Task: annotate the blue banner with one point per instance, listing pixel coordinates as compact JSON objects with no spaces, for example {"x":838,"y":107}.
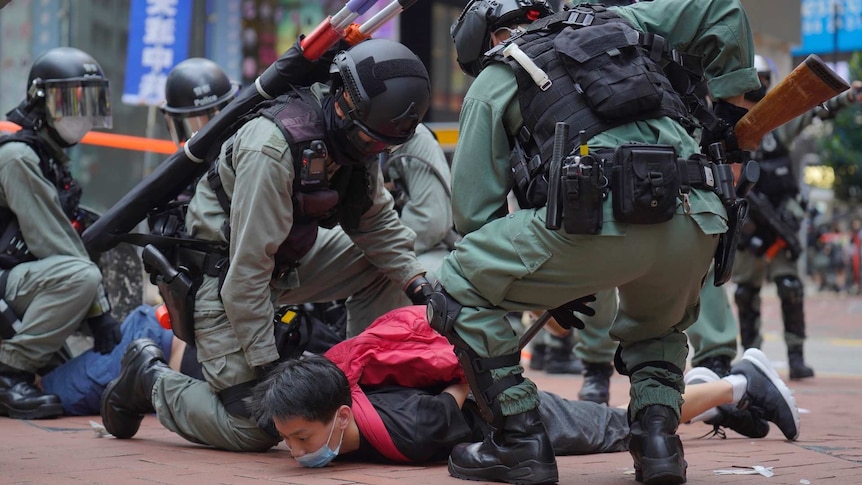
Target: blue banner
{"x":159,"y":32}
{"x":819,"y":21}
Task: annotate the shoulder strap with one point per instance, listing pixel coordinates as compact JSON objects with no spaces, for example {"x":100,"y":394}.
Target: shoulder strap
{"x":371,"y":424}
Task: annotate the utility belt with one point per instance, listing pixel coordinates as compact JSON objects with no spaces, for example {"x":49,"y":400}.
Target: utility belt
{"x":646,"y":181}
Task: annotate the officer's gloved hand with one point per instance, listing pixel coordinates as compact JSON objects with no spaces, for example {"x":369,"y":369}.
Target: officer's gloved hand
{"x":722,"y":131}
{"x":106,"y":332}
{"x":419,"y":290}
{"x":564,"y":315}
{"x":294,"y":68}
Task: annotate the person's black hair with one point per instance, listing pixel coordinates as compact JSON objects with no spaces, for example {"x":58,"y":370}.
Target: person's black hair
{"x":311,"y":388}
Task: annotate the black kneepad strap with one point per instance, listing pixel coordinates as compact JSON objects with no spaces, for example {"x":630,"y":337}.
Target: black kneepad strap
{"x":442,"y":310}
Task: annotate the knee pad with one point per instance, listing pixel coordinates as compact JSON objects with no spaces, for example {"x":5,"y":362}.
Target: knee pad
{"x":442,"y":311}
{"x":745,"y":295}
{"x":790,"y":289}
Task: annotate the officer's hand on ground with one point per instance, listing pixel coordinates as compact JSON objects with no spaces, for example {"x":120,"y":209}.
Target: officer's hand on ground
{"x":564,"y":315}
{"x":106,"y":333}
{"x":418,"y":290}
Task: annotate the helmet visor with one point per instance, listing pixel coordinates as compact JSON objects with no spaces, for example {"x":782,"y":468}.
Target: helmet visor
{"x":86,"y":98}
{"x":182,"y":126}
{"x":364,"y":141}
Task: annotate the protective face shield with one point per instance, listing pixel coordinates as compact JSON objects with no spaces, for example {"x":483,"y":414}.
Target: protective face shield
{"x":73,"y":92}
{"x":195,"y":91}
{"x":72,"y":128}
{"x":323,"y":455}
{"x":471,"y":33}
{"x":382,"y":91}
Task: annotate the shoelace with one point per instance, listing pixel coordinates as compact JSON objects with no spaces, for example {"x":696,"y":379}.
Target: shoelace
{"x":716,"y":431}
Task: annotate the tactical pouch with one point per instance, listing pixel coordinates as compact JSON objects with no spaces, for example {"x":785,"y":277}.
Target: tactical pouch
{"x":584,"y":184}
{"x":610,"y":71}
{"x":778,"y":179}
{"x":645,"y":183}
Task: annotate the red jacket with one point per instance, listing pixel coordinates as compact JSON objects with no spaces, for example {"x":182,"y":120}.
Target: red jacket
{"x":399,"y":348}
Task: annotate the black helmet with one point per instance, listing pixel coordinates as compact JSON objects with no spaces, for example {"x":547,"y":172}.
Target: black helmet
{"x":195,"y":91}
{"x":68,"y":85}
{"x":472,"y":31}
{"x":387,"y":94}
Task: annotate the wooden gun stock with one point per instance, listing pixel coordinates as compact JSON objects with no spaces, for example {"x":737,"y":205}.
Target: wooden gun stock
{"x":810,"y":84}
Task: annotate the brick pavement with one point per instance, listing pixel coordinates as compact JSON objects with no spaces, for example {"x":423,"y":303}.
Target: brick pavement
{"x":67,"y":451}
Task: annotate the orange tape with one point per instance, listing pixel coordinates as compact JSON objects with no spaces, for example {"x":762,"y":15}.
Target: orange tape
{"x":113,"y":140}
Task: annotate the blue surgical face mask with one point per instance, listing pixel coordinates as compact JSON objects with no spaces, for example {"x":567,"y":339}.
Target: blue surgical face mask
{"x":323,"y":455}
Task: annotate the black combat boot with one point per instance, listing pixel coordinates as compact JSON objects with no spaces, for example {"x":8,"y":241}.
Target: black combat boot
{"x":597,"y":383}
{"x":792,"y":294}
{"x":796,"y":362}
{"x":560,"y":359}
{"x":746,"y":422}
{"x":20,"y":399}
{"x":518,"y":452}
{"x":656,"y":448}
{"x":129,"y":397}
{"x":747,"y":299}
{"x":719,"y":364}
{"x":538,"y":357}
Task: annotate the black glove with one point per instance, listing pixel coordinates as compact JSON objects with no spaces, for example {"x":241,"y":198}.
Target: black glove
{"x":721,"y":130}
{"x":293,"y":68}
{"x":564,"y":315}
{"x":419,"y":290}
{"x":106,"y":333}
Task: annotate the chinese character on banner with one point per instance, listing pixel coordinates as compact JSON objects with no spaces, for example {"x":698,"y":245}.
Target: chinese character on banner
{"x":158,"y":39}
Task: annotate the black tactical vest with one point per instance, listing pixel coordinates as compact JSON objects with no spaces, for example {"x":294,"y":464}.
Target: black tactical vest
{"x":603,"y":74}
{"x":350,"y":190}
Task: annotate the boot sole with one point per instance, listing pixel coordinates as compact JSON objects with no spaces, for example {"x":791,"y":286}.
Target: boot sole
{"x":663,"y":471}
{"x":46,"y":411}
{"x":759,"y":360}
{"x":527,"y":473}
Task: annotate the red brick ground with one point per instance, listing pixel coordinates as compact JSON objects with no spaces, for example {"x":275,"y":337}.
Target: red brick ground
{"x":66,"y":451}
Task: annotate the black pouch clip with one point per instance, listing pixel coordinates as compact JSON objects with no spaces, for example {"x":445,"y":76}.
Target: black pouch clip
{"x":585,"y":186}
{"x":645,"y":183}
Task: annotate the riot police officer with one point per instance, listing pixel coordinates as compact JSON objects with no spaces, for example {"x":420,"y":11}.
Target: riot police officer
{"x":304,"y":159}
{"x":196,"y":89}
{"x":588,"y":67}
{"x":48,"y":284}
{"x":770,"y":247}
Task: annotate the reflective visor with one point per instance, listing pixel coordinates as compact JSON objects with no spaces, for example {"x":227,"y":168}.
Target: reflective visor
{"x":364,"y":141}
{"x":88,"y":98}
{"x":182,"y":126}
